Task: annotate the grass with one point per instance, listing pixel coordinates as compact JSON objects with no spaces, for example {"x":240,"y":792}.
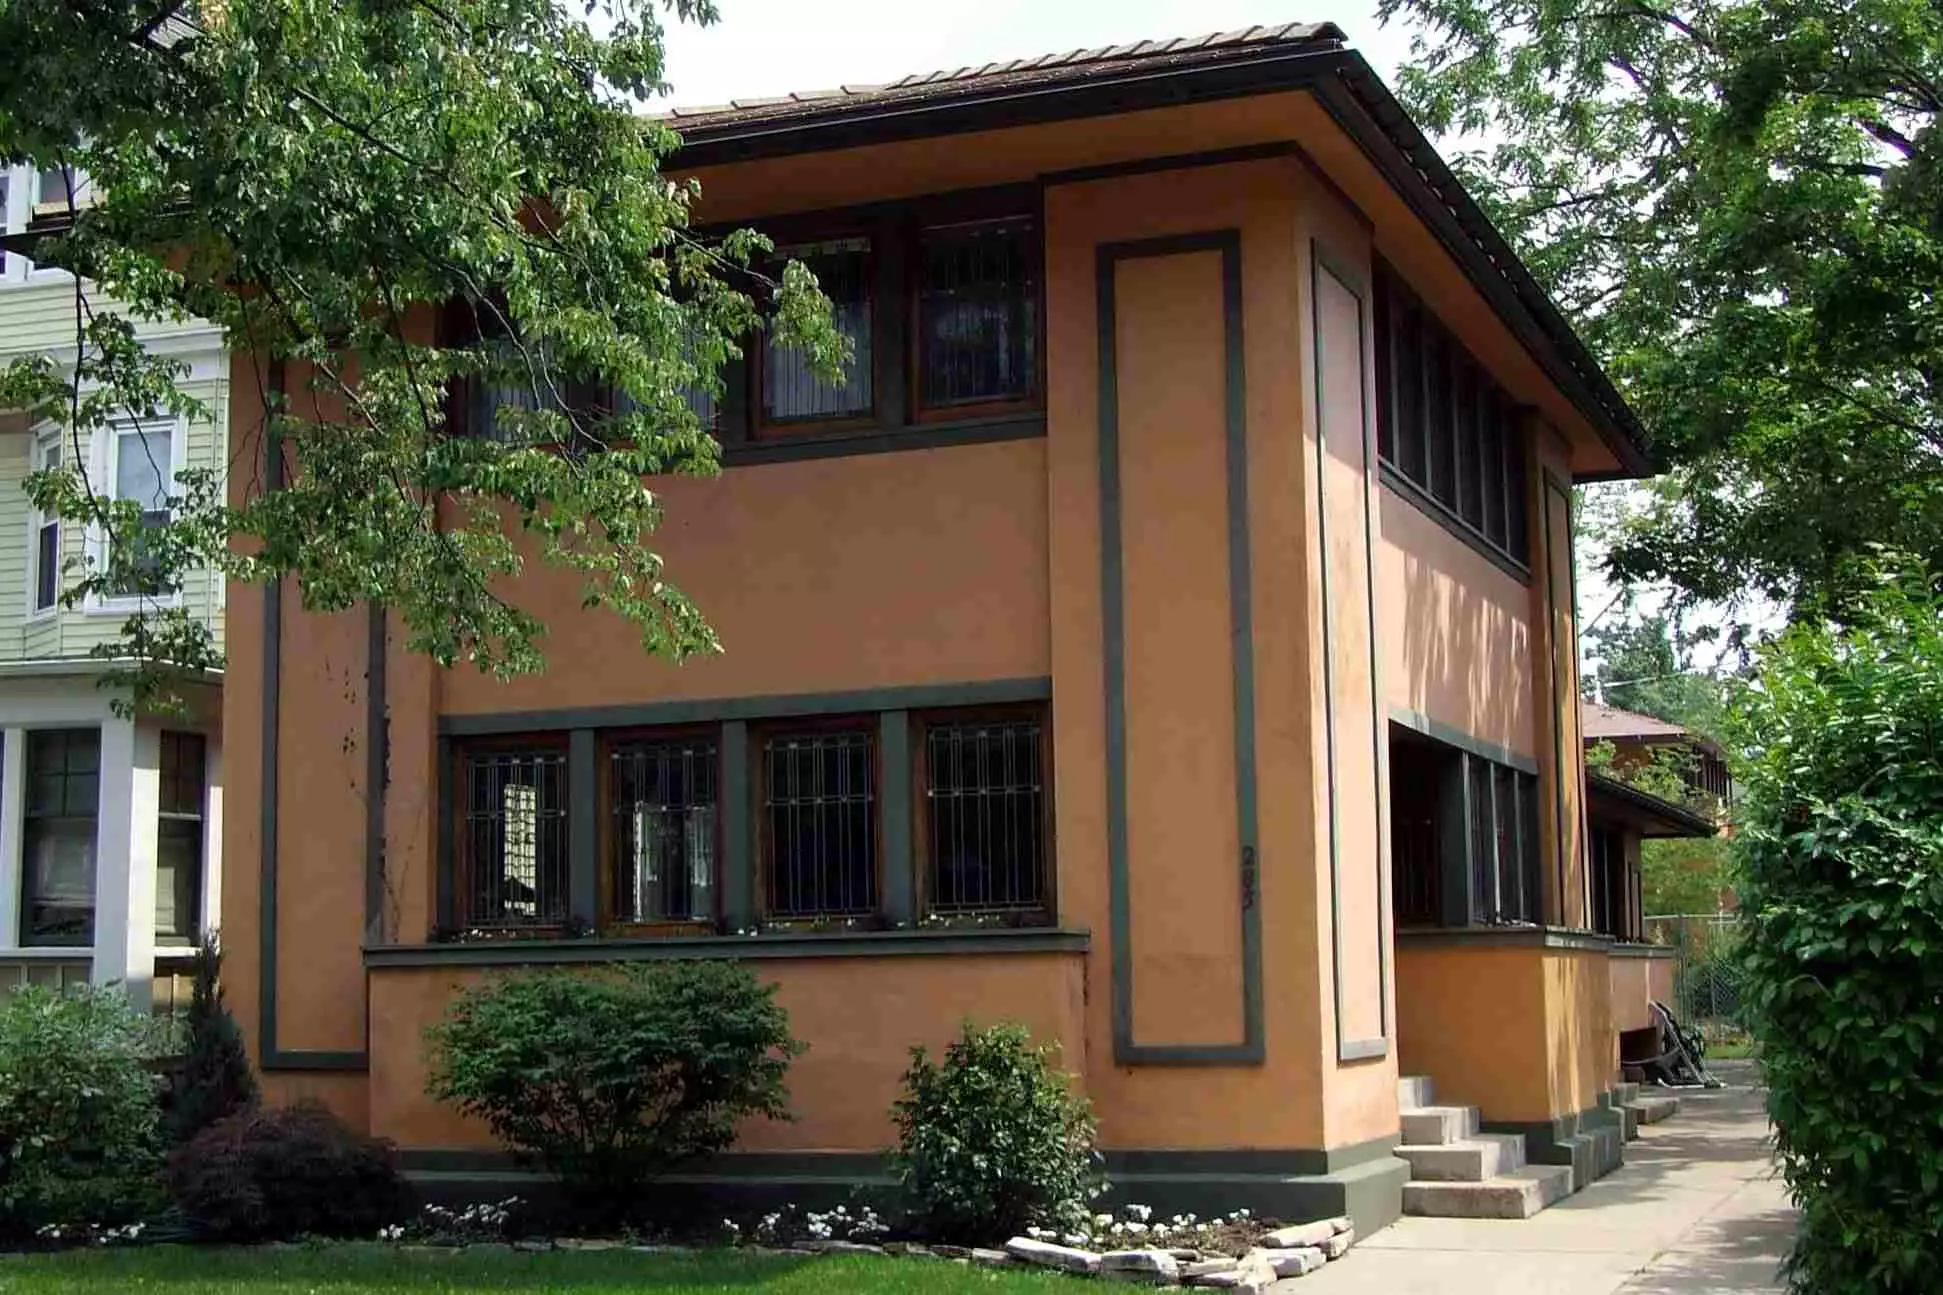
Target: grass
{"x":383,"y":1270}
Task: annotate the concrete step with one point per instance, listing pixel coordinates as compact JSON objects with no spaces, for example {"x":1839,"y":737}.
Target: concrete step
{"x":1653,"y":1108}
{"x":1623,"y":1094}
{"x":1476,"y":1159}
{"x":1436,"y":1126}
{"x":1414,"y":1091}
{"x":1516,"y":1195}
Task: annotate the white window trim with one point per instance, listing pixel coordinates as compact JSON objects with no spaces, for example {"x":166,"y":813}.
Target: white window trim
{"x":103,"y":462}
{"x":21,"y":206}
{"x":44,"y":436}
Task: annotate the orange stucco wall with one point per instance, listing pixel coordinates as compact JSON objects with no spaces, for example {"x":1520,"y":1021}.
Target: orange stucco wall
{"x":1524,"y":1033}
{"x":860,"y":1016}
{"x":983,"y":562}
{"x":1637,"y":983}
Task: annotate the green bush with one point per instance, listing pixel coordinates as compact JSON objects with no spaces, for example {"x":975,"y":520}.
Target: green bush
{"x":213,"y":1079}
{"x":611,"y":1079}
{"x":79,"y":1109}
{"x":293,"y":1171}
{"x":1841,"y":855}
{"x":992,"y":1139}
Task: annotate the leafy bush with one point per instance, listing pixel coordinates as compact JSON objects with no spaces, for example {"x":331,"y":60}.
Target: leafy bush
{"x":274,"y":1174}
{"x":213,"y":1079}
{"x":1841,"y":853}
{"x":993,"y":1140}
{"x":79,"y":1108}
{"x":611,"y":1079}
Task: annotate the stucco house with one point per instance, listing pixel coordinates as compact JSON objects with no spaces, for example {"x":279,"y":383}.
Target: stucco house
{"x":1164,"y":637}
{"x":110,"y":827}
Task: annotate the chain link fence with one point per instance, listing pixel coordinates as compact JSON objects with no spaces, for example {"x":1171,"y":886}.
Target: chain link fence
{"x":1706,"y":975}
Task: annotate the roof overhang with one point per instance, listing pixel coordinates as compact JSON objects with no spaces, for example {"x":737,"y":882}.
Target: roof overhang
{"x":1649,"y":815}
{"x":1342,"y":82}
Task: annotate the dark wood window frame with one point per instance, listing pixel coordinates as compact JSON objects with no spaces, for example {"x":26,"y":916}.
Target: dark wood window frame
{"x":1450,"y":438}
{"x":923,"y":724}
{"x":182,"y":802}
{"x":761,"y":738}
{"x":1468,"y":854}
{"x":553,"y":745}
{"x":72,"y":819}
{"x":614,"y":744}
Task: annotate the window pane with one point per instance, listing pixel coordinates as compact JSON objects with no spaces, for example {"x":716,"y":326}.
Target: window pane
{"x":1517,"y":539}
{"x":985,"y":802}
{"x":1491,"y":461}
{"x":59,"y":861}
{"x":1484,"y":840}
{"x":977,"y":314}
{"x":520,"y":379}
{"x":178,"y":878}
{"x":143,"y":469}
{"x":52,"y":185}
{"x":664,"y":830}
{"x":183,"y":758}
{"x":790,"y":391}
{"x":1437,"y":413}
{"x":820,"y":824}
{"x":515,"y":839}
{"x":1470,"y":504}
{"x":63,"y":767}
{"x":47,"y":565}
{"x":1410,"y":396}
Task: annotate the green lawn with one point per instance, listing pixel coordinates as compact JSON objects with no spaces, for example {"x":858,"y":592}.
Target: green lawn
{"x":380,"y":1270}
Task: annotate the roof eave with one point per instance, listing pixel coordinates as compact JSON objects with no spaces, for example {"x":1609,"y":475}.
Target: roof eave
{"x":1347,"y":88}
{"x":1678,"y":820}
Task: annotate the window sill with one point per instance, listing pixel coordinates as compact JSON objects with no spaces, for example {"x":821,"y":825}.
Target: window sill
{"x":1534,"y":937}
{"x":858,"y":944}
{"x":1428,"y":505}
{"x":121,"y":608}
{"x":876,"y":440}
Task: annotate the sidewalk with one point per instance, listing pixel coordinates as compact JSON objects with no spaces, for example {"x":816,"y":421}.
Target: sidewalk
{"x":1696,"y":1210}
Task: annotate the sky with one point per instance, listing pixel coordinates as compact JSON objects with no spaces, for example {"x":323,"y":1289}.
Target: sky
{"x":771,"y":47}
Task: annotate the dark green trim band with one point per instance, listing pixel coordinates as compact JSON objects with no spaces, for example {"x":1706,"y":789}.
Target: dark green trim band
{"x":377,"y":749}
{"x":738,"y":830}
{"x":1532,"y":937}
{"x":1251,"y":1049}
{"x":583,"y":827}
{"x":1549,"y":489}
{"x":271,"y":1057}
{"x":1418,"y":722}
{"x":984,"y":692}
{"x":847,"y":944}
{"x":1296,"y":1160}
{"x":1356,"y":285}
{"x":918,"y":436}
{"x":1172,"y":162}
{"x":1427,"y":504}
{"x":444,"y":779}
{"x":1646,"y":952}
{"x":897,"y":809}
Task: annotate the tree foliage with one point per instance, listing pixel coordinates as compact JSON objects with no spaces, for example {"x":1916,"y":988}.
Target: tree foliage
{"x":213,"y":1080}
{"x":329,"y":180}
{"x":612,"y":1079}
{"x":1841,"y":853}
{"x":1646,"y":666}
{"x":1740,"y":205}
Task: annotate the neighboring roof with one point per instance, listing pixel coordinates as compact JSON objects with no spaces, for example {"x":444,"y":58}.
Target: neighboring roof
{"x":1065,"y":68}
{"x":1164,"y":73}
{"x":1599,"y":722}
{"x":1651,"y":815}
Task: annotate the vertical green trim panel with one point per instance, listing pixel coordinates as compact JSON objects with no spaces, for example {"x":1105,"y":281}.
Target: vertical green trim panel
{"x":894,"y":758}
{"x":1559,"y":915}
{"x":583,"y":829}
{"x":271,"y":1057}
{"x":446,"y":775}
{"x":1348,"y":1049}
{"x":1455,"y":794}
{"x":738,"y":829}
{"x":1126,"y":1051}
{"x":377,"y":737}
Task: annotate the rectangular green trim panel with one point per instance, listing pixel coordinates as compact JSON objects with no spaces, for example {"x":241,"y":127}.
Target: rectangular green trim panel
{"x":1126,"y":1052}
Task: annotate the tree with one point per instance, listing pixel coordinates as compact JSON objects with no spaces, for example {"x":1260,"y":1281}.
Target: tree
{"x":214,"y":1079}
{"x":381,"y":199}
{"x":1843,"y":904}
{"x":1646,"y":666}
{"x":1740,"y":205}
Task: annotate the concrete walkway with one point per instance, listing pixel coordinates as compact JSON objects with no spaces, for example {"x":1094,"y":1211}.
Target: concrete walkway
{"x":1697,"y":1209}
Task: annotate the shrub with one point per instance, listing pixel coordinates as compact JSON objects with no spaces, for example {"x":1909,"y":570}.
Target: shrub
{"x":993,"y":1139}
{"x":1841,"y":854}
{"x":274,"y":1174}
{"x":213,"y":1079}
{"x":611,"y":1079}
{"x":79,"y":1108}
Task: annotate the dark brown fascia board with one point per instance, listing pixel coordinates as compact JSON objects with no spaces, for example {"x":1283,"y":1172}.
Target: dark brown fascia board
{"x":1684,"y":822}
{"x":1349,"y":90}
